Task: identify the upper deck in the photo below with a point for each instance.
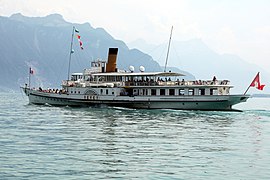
(102, 75)
(124, 79)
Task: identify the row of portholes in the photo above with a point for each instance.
(91, 97)
(75, 92)
(51, 99)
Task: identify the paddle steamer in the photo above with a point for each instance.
(104, 84)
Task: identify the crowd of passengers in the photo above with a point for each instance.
(60, 91)
(178, 82)
(160, 81)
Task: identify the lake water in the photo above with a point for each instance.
(43, 142)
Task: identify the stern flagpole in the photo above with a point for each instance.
(257, 76)
(247, 90)
(255, 83)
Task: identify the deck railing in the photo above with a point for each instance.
(149, 83)
(177, 83)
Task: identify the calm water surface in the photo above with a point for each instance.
(43, 142)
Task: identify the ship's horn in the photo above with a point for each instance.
(111, 64)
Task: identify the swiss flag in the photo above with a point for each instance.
(256, 82)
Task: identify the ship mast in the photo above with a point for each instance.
(71, 51)
(168, 50)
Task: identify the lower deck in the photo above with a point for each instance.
(202, 102)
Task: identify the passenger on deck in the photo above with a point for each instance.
(214, 80)
(183, 82)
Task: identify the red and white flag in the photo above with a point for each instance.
(79, 39)
(256, 82)
(31, 71)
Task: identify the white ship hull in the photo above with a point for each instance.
(206, 102)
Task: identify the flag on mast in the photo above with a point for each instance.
(79, 38)
(256, 82)
(31, 71)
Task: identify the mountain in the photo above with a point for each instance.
(196, 57)
(43, 43)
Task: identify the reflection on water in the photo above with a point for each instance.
(103, 143)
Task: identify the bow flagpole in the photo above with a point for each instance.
(29, 77)
(31, 71)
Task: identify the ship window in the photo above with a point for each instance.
(191, 92)
(141, 92)
(171, 92)
(71, 92)
(201, 91)
(146, 92)
(101, 91)
(112, 93)
(135, 92)
(153, 92)
(162, 92)
(107, 92)
(79, 92)
(213, 91)
(75, 92)
(181, 92)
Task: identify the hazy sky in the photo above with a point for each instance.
(239, 27)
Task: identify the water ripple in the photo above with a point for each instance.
(43, 142)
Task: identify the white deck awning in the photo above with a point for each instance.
(138, 74)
